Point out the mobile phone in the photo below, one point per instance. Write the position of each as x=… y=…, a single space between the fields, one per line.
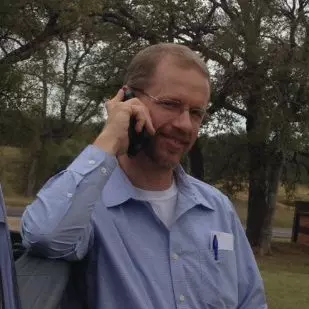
x=137 y=141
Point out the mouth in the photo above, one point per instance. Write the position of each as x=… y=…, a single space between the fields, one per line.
x=175 y=143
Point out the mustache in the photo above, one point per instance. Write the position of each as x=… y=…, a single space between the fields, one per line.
x=179 y=136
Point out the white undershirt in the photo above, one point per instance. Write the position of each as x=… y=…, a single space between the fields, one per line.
x=163 y=202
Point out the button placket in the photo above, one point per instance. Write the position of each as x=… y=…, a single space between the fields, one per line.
x=178 y=278
x=175 y=256
x=104 y=171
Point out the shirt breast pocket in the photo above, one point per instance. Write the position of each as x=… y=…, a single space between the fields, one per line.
x=219 y=278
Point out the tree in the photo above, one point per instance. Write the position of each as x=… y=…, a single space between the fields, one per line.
x=26 y=27
x=229 y=152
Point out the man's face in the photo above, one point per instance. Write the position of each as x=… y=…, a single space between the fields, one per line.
x=175 y=133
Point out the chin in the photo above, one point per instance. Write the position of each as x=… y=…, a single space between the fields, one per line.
x=164 y=159
x=163 y=154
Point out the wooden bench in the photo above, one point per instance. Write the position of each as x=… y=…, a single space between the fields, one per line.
x=300 y=232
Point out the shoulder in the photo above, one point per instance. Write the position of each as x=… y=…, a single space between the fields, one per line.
x=211 y=195
x=224 y=212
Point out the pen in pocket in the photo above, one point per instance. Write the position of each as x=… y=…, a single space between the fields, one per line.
x=215 y=246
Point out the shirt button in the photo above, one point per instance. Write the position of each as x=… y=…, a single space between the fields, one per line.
x=182 y=298
x=175 y=256
x=104 y=171
x=69 y=194
x=91 y=162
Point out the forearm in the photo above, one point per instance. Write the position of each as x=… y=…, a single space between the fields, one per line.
x=58 y=223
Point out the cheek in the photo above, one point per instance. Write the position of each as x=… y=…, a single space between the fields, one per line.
x=158 y=121
x=161 y=124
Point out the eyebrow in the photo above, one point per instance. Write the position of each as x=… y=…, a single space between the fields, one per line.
x=170 y=99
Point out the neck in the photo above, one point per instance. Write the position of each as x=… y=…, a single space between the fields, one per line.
x=146 y=174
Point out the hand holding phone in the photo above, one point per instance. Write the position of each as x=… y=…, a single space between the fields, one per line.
x=137 y=141
x=128 y=125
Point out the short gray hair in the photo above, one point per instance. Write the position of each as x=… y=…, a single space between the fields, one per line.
x=143 y=65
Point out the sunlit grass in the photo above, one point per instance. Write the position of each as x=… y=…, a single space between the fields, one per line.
x=17 y=201
x=286 y=276
x=12 y=170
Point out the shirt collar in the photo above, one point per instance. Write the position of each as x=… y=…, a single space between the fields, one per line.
x=119 y=190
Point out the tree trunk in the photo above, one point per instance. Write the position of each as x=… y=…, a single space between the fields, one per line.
x=196 y=161
x=35 y=156
x=274 y=175
x=258 y=131
x=38 y=146
x=264 y=177
x=257 y=201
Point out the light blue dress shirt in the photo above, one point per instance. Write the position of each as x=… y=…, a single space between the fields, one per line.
x=135 y=262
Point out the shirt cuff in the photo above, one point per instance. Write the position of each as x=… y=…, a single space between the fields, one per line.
x=90 y=159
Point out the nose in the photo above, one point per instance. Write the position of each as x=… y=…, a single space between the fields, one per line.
x=184 y=122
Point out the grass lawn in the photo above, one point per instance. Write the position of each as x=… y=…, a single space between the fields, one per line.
x=17 y=201
x=12 y=170
x=286 y=276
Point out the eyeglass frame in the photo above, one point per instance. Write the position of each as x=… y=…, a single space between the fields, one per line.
x=178 y=103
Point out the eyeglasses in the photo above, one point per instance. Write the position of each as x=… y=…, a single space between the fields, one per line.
x=176 y=108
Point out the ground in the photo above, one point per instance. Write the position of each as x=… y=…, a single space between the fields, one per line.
x=286 y=276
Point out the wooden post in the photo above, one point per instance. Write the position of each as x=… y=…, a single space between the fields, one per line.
x=295 y=226
x=300 y=232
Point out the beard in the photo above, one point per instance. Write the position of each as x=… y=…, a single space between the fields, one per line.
x=157 y=157
x=164 y=157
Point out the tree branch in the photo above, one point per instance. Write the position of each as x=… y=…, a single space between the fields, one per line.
x=135 y=30
x=206 y=52
x=26 y=51
x=3 y=49
x=82 y=111
x=15 y=40
x=235 y=109
x=77 y=65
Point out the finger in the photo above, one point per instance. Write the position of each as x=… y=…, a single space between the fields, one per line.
x=142 y=119
x=118 y=97
x=148 y=123
x=139 y=115
x=149 y=127
x=139 y=125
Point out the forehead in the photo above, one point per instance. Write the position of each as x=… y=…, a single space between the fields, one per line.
x=184 y=83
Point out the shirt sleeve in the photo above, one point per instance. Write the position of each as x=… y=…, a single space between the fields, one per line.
x=58 y=223
x=251 y=293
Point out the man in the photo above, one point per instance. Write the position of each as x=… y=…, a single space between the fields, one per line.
x=155 y=237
